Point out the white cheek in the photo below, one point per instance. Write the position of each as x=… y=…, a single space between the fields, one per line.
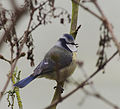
x=72 y=47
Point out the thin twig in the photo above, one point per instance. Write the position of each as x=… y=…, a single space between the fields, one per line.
x=3 y=58
x=8 y=80
x=18 y=15
x=13 y=65
x=96 y=94
x=108 y=24
x=17 y=18
x=99 y=96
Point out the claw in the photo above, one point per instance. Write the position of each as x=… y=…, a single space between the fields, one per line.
x=60 y=88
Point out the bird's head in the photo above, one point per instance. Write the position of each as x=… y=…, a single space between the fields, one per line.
x=67 y=42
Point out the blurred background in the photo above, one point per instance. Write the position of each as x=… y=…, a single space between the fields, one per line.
x=39 y=93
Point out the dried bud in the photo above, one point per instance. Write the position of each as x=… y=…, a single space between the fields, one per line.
x=22 y=54
x=80 y=63
x=15 y=39
x=1 y=56
x=32 y=63
x=62 y=20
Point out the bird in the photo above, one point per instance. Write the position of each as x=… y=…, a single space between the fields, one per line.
x=58 y=63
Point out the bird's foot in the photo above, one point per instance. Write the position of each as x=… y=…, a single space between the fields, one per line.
x=60 y=88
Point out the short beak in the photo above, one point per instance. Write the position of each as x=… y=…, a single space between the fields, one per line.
x=76 y=45
x=72 y=46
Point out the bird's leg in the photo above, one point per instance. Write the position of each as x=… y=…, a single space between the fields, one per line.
x=58 y=90
x=59 y=86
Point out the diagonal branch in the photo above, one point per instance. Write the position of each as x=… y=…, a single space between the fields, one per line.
x=108 y=24
x=83 y=83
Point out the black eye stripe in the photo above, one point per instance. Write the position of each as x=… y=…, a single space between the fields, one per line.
x=70 y=43
x=73 y=44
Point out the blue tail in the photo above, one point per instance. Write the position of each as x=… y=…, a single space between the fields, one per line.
x=24 y=82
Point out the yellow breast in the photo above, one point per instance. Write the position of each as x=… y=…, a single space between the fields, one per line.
x=74 y=56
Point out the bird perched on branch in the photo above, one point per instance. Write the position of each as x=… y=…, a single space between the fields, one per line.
x=58 y=64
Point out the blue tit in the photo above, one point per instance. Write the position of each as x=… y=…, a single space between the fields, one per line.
x=58 y=64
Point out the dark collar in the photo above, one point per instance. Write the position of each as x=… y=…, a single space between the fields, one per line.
x=63 y=44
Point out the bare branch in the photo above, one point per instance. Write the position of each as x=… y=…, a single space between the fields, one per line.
x=95 y=94
x=3 y=58
x=18 y=14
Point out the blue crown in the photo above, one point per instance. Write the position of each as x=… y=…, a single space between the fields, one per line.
x=69 y=37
